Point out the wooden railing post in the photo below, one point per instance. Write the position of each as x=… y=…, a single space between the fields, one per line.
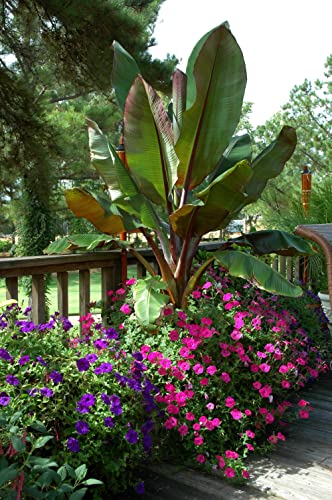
x=38 y=298
x=62 y=278
x=84 y=287
x=12 y=288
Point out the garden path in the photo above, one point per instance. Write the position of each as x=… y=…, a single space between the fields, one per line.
x=299 y=469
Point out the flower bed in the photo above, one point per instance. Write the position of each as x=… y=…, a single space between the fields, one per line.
x=207 y=386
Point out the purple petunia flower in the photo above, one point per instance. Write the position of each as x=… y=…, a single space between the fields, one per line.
x=91 y=357
x=57 y=377
x=41 y=360
x=73 y=445
x=88 y=399
x=111 y=334
x=27 y=310
x=23 y=360
x=109 y=422
x=45 y=391
x=4 y=399
x=12 y=380
x=103 y=368
x=81 y=408
x=147 y=442
x=82 y=427
x=5 y=354
x=82 y=364
x=100 y=344
x=105 y=398
x=131 y=436
x=138 y=356
x=140 y=488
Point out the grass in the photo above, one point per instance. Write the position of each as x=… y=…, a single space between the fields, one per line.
x=73 y=290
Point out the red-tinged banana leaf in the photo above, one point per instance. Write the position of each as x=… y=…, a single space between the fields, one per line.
x=270 y=162
x=246 y=266
x=149 y=142
x=124 y=72
x=217 y=69
x=83 y=204
x=179 y=91
x=274 y=241
x=224 y=196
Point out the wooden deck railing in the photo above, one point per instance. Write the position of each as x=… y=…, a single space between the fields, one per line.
x=110 y=264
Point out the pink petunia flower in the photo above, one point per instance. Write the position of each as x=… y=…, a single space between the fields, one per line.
x=200 y=458
x=229 y=472
x=230 y=402
x=225 y=377
x=211 y=370
x=236 y=414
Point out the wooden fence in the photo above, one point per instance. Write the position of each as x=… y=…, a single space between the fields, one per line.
x=110 y=264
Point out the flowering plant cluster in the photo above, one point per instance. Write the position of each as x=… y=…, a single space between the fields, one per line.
x=209 y=386
x=229 y=369
x=91 y=395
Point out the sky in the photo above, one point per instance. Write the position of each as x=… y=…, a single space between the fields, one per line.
x=283 y=41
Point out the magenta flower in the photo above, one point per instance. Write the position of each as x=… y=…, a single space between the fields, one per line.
x=200 y=458
x=304 y=414
x=211 y=370
x=265 y=367
x=250 y=434
x=183 y=429
x=196 y=294
x=231 y=454
x=236 y=414
x=225 y=377
x=198 y=369
x=190 y=416
x=229 y=472
x=245 y=474
x=173 y=335
x=230 y=402
x=125 y=308
x=198 y=440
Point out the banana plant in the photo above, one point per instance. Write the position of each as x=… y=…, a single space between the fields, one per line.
x=185 y=173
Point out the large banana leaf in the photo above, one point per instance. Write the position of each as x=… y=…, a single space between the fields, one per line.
x=217 y=68
x=223 y=196
x=108 y=164
x=270 y=162
x=85 y=242
x=149 y=142
x=274 y=241
x=106 y=217
x=148 y=300
x=117 y=177
x=257 y=272
x=124 y=72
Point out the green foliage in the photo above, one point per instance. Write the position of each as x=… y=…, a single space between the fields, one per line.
x=25 y=471
x=48 y=68
x=185 y=173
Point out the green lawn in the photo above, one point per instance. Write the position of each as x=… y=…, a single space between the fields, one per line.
x=73 y=294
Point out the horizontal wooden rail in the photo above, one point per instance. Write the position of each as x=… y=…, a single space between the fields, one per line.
x=110 y=264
